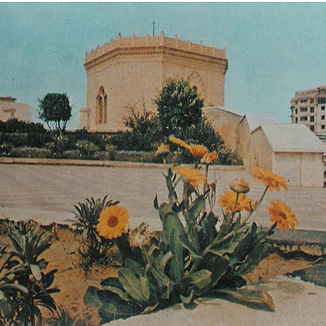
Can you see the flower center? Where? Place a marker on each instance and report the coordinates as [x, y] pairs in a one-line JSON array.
[[284, 217], [112, 221]]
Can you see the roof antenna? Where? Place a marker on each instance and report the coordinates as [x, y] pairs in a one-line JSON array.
[[153, 28]]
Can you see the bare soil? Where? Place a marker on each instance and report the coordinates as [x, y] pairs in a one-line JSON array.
[[71, 280]]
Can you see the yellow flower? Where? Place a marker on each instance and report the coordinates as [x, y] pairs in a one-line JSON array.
[[163, 149], [192, 176], [240, 186], [210, 158], [198, 150], [179, 142], [282, 214], [270, 179], [228, 199], [112, 222]]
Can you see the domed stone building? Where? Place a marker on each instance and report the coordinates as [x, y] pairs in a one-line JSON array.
[[130, 72]]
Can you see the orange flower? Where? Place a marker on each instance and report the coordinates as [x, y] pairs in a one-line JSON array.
[[163, 149], [198, 150], [282, 214], [210, 158], [270, 179], [240, 186], [112, 222], [228, 199], [179, 142], [191, 176]]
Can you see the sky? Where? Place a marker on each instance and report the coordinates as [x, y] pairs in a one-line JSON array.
[[273, 49]]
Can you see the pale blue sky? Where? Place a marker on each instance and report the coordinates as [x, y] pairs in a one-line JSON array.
[[273, 49]]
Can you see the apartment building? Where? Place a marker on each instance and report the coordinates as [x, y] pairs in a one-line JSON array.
[[308, 107]]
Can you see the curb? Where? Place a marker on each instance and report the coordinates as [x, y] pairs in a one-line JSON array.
[[111, 164]]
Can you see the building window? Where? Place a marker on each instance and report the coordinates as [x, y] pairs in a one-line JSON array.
[[304, 119], [303, 109], [312, 119], [323, 108], [312, 109], [321, 100], [322, 126], [303, 101], [323, 117], [312, 128], [101, 106], [296, 111], [312, 100], [296, 120]]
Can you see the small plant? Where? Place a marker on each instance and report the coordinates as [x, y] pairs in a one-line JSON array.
[[93, 247], [58, 146], [24, 286], [198, 253], [86, 148]]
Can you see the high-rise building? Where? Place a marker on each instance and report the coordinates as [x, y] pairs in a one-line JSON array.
[[308, 107]]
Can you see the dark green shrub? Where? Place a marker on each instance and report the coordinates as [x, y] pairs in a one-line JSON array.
[[25, 139], [137, 156], [31, 152], [87, 148], [99, 140], [144, 134], [15, 125], [73, 154], [58, 145], [179, 107]]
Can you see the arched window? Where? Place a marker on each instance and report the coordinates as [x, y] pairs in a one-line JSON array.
[[101, 106]]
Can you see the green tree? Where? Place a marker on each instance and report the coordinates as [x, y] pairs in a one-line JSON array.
[[55, 111], [179, 107]]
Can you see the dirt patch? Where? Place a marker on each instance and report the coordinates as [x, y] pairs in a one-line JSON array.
[[71, 280]]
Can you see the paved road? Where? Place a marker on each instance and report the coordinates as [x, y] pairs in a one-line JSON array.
[[48, 193]]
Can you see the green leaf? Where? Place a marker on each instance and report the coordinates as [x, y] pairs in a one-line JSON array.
[[208, 225], [135, 266], [145, 286], [5, 309], [172, 221], [177, 262], [190, 248], [229, 247], [161, 278], [187, 299], [241, 250], [36, 272], [164, 209], [164, 260], [110, 311], [261, 297], [131, 284], [113, 284], [16, 287], [156, 206], [218, 266], [197, 207], [201, 278], [2, 296], [91, 297]]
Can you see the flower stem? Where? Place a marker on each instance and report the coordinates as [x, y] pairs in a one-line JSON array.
[[216, 241]]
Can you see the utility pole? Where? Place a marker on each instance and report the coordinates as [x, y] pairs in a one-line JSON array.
[[153, 28]]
